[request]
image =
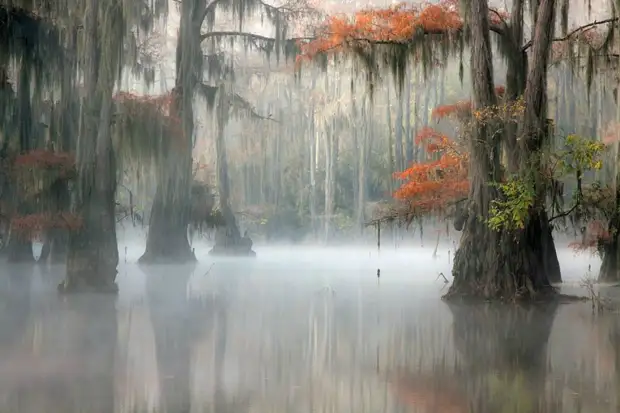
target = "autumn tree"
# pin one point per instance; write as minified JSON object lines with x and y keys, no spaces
{"x":506,"y":261}
{"x":32,"y":181}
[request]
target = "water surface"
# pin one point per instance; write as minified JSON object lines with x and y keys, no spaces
{"x":299,"y":330}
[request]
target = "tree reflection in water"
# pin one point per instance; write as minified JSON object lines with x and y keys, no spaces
{"x":63,"y":354}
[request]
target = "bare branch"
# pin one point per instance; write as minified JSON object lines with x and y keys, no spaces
{"x":576,"y":31}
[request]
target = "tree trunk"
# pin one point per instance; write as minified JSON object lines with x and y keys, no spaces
{"x":228,"y":239}
{"x":167,"y":239}
{"x":610,"y":267}
{"x":93,"y":251}
{"x":58,"y":247}
{"x":490,"y":264}
{"x":313,"y":164}
{"x":409,"y":138}
{"x":19,"y":250}
{"x":329,"y":181}
{"x":361,"y":171}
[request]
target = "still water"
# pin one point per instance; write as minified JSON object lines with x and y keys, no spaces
{"x":299,"y":330}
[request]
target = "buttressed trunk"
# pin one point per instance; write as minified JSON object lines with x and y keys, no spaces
{"x":476,"y":259}
{"x":491,"y":264}
{"x":167,"y":239}
{"x":516,"y":81}
{"x":534,"y":261}
{"x":93,"y":254}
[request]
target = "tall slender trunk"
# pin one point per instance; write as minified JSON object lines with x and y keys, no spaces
{"x":398,"y":138}
{"x":312,"y":142}
{"x":329,"y":181}
{"x":93,"y":254}
{"x":408,"y":136}
{"x":19,"y":248}
{"x":361,"y":170}
{"x":228,"y":239}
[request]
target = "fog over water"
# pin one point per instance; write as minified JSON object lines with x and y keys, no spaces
{"x":309,"y":329}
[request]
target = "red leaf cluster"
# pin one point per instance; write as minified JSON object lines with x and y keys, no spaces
{"x":162,"y":107}
{"x":161,"y":103}
{"x":30,"y":225}
{"x":461,"y":108}
{"x":44,"y":159}
{"x":432,"y":186}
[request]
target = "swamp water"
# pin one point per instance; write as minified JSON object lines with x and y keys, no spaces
{"x":299,"y":330}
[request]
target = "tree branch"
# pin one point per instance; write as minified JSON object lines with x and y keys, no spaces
{"x":237,"y":102}
{"x":575,"y":31}
{"x":565,"y":213}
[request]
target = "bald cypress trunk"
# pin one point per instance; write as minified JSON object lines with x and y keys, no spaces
{"x":501,"y":264}
{"x":228,"y":239}
{"x":93,"y":254}
{"x":19,"y":248}
{"x":167,"y":239}
{"x":516,"y":81}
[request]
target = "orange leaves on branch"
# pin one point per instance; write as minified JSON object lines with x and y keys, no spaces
{"x":31,"y":225}
{"x":396,"y":24}
{"x":462,"y":108}
{"x":430,"y":187}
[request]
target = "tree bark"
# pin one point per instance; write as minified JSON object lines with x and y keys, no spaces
{"x":516,"y":82}
{"x":19,"y":250}
{"x":167,"y":239}
{"x":610,"y":267}
{"x":93,"y":253}
{"x":496,"y":264}
{"x":228,"y":240}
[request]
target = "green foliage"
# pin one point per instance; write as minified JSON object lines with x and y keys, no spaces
{"x":511,"y":210}
{"x":580,"y":154}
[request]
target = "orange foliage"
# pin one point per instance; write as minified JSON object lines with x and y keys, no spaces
{"x":431,"y":186}
{"x":462,"y":108}
{"x":31,"y":225}
{"x":396,"y":24}
{"x":45,"y":159}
